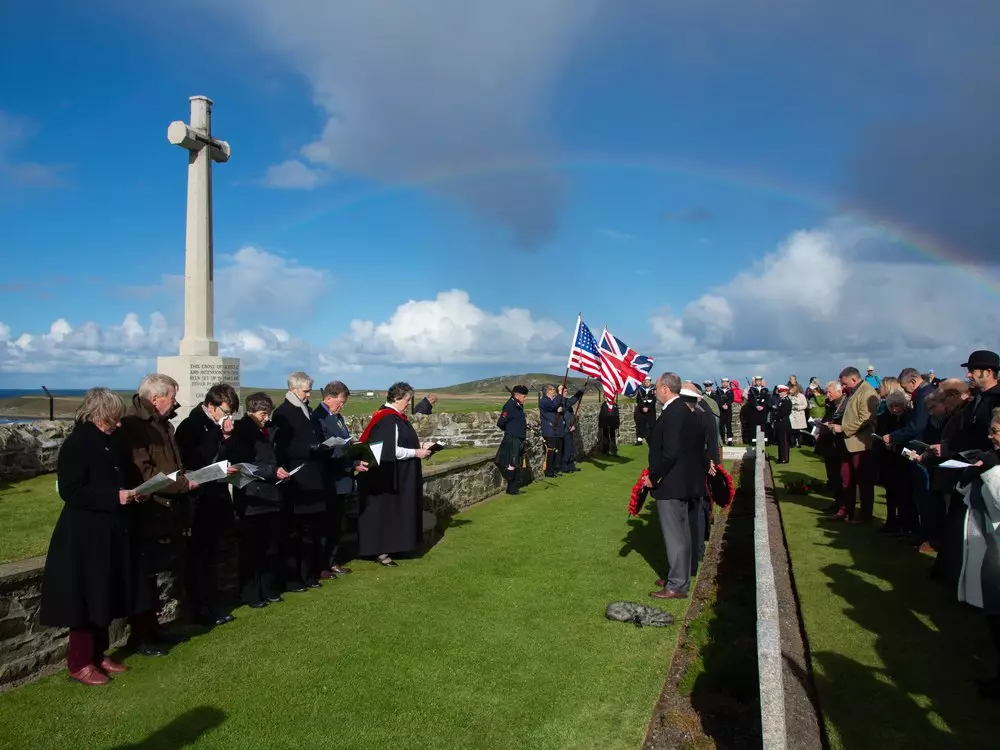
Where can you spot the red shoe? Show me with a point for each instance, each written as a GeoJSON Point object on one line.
{"type": "Point", "coordinates": [90, 675]}
{"type": "Point", "coordinates": [112, 667]}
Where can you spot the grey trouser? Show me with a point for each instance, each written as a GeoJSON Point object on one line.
{"type": "Point", "coordinates": [678, 530]}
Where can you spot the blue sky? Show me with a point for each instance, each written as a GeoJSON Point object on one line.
{"type": "Point", "coordinates": [432, 191]}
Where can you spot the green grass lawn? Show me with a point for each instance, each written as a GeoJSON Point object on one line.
{"type": "Point", "coordinates": [28, 512]}
{"type": "Point", "coordinates": [496, 638]}
{"type": "Point", "coordinates": [894, 653]}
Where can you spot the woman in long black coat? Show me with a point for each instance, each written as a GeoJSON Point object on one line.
{"type": "Point", "coordinates": [392, 492]}
{"type": "Point", "coordinates": [93, 570]}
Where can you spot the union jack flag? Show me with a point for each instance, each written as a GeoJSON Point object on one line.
{"type": "Point", "coordinates": [583, 356]}
{"type": "Point", "coordinates": [622, 368]}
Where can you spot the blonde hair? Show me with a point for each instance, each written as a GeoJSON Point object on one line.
{"type": "Point", "coordinates": [890, 385]}
{"type": "Point", "coordinates": [156, 384]}
{"type": "Point", "coordinates": [101, 405]}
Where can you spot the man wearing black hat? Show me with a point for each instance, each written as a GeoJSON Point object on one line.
{"type": "Point", "coordinates": [515, 429]}
{"type": "Point", "coordinates": [982, 370]}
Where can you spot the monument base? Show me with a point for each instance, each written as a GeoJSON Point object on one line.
{"type": "Point", "coordinates": [195, 374]}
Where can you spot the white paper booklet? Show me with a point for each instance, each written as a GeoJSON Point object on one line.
{"type": "Point", "coordinates": [210, 473]}
{"type": "Point", "coordinates": [157, 483]}
{"type": "Point", "coordinates": [292, 473]}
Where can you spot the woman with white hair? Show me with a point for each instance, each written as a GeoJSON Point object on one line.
{"type": "Point", "coordinates": [93, 570]}
{"type": "Point", "coordinates": [304, 495]}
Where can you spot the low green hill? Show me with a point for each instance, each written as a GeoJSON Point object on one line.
{"type": "Point", "coordinates": [534, 381]}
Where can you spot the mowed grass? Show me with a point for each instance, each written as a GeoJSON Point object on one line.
{"type": "Point", "coordinates": [495, 638]}
{"type": "Point", "coordinates": [28, 513]}
{"type": "Point", "coordinates": [894, 652]}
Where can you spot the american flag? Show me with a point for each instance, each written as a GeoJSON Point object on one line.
{"type": "Point", "coordinates": [622, 368]}
{"type": "Point", "coordinates": [583, 356]}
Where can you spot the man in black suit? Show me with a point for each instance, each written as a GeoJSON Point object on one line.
{"type": "Point", "coordinates": [426, 405]}
{"type": "Point", "coordinates": [678, 464]}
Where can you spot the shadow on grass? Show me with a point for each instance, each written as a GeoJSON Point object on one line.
{"type": "Point", "coordinates": [927, 643]}
{"type": "Point", "coordinates": [725, 690]}
{"type": "Point", "coordinates": [183, 731]}
{"type": "Point", "coordinates": [602, 462]}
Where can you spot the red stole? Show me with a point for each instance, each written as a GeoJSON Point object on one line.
{"type": "Point", "coordinates": [377, 417]}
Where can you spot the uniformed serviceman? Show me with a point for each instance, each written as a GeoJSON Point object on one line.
{"type": "Point", "coordinates": [515, 429]}
{"type": "Point", "coordinates": [724, 398]}
{"type": "Point", "coordinates": [758, 401]}
{"type": "Point", "coordinates": [552, 412]}
{"type": "Point", "coordinates": [645, 410]}
{"type": "Point", "coordinates": [608, 421]}
{"type": "Point", "coordinates": [568, 424]}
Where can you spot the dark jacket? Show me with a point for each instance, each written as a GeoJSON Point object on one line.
{"type": "Point", "coordinates": [758, 397]}
{"type": "Point", "coordinates": [512, 420]}
{"type": "Point", "coordinates": [976, 433]}
{"type": "Point", "coordinates": [149, 439]}
{"type": "Point", "coordinates": [609, 418]}
{"type": "Point", "coordinates": [568, 419]}
{"type": "Point", "coordinates": [249, 444]}
{"type": "Point", "coordinates": [914, 427]}
{"type": "Point", "coordinates": [338, 468]}
{"type": "Point", "coordinates": [423, 407]}
{"type": "Point", "coordinates": [548, 409]}
{"type": "Point", "coordinates": [199, 440]}
{"type": "Point", "coordinates": [295, 445]}
{"type": "Point", "coordinates": [782, 414]}
{"type": "Point", "coordinates": [710, 427]}
{"type": "Point", "coordinates": [93, 572]}
{"type": "Point", "coordinates": [678, 463]}
{"type": "Point", "coordinates": [725, 401]}
{"type": "Point", "coordinates": [645, 398]}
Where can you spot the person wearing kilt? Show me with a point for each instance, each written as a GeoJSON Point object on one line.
{"type": "Point", "coordinates": [515, 429]}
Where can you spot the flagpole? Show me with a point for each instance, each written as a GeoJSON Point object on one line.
{"type": "Point", "coordinates": [576, 331]}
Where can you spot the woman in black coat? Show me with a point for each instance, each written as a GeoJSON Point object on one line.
{"type": "Point", "coordinates": [93, 571]}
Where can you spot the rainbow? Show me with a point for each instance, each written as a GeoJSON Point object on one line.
{"type": "Point", "coordinates": [922, 244]}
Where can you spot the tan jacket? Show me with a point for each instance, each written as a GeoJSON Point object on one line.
{"type": "Point", "coordinates": [859, 418]}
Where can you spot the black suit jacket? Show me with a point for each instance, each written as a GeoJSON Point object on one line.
{"type": "Point", "coordinates": [295, 444]}
{"type": "Point", "coordinates": [678, 463]}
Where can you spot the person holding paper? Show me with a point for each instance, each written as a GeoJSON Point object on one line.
{"type": "Point", "coordinates": [295, 445]}
{"type": "Point", "coordinates": [258, 504]}
{"type": "Point", "coordinates": [338, 472]}
{"type": "Point", "coordinates": [163, 517]}
{"type": "Point", "coordinates": [392, 493]}
{"type": "Point", "coordinates": [200, 439]}
{"type": "Point", "coordinates": [93, 572]}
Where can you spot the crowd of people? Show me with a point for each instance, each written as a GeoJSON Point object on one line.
{"type": "Point", "coordinates": [933, 445]}
{"type": "Point", "coordinates": [291, 468]}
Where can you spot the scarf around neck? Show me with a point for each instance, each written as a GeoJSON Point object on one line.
{"type": "Point", "coordinates": [296, 401]}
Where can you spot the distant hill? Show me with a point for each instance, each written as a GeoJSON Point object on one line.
{"type": "Point", "coordinates": [496, 385]}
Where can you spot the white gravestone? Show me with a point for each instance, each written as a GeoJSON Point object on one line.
{"type": "Point", "coordinates": [199, 366]}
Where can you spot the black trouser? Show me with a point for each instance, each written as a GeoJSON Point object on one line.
{"type": "Point", "coordinates": [304, 549]}
{"type": "Point", "coordinates": [164, 554]}
{"type": "Point", "coordinates": [333, 523]}
{"type": "Point", "coordinates": [212, 516]}
{"type": "Point", "coordinates": [782, 436]}
{"type": "Point", "coordinates": [833, 481]}
{"type": "Point", "coordinates": [644, 422]}
{"type": "Point", "coordinates": [609, 440]}
{"type": "Point", "coordinates": [553, 455]}
{"type": "Point", "coordinates": [726, 424]}
{"type": "Point", "coordinates": [260, 558]}
{"type": "Point", "coordinates": [568, 457]}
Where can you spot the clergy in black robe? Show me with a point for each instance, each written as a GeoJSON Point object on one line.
{"type": "Point", "coordinates": [392, 492]}
{"type": "Point", "coordinates": [93, 572]}
{"type": "Point", "coordinates": [608, 422]}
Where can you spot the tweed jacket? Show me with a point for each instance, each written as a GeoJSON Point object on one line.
{"type": "Point", "coordinates": [859, 418]}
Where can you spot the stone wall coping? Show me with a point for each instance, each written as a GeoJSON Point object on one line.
{"type": "Point", "coordinates": [457, 465]}
{"type": "Point", "coordinates": [19, 571]}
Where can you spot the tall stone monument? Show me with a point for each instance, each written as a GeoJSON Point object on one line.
{"type": "Point", "coordinates": [198, 365]}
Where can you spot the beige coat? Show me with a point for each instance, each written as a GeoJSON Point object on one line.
{"type": "Point", "coordinates": [859, 418]}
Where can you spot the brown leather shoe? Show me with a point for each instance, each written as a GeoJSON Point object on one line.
{"type": "Point", "coordinates": [340, 570]}
{"type": "Point", "coordinates": [326, 575]}
{"type": "Point", "coordinates": [667, 594]}
{"type": "Point", "coordinates": [90, 675]}
{"type": "Point", "coordinates": [660, 583]}
{"type": "Point", "coordinates": [112, 667]}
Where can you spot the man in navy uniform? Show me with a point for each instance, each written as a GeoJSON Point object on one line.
{"type": "Point", "coordinates": [608, 422]}
{"type": "Point", "coordinates": [515, 429]}
{"type": "Point", "coordinates": [645, 410]}
{"type": "Point", "coordinates": [551, 410]}
{"type": "Point", "coordinates": [724, 398]}
{"type": "Point", "coordinates": [782, 422]}
{"type": "Point", "coordinates": [758, 401]}
{"type": "Point", "coordinates": [568, 427]}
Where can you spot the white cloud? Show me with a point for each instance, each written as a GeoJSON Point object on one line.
{"type": "Point", "coordinates": [15, 132]}
{"type": "Point", "coordinates": [827, 298]}
{"type": "Point", "coordinates": [253, 284]}
{"type": "Point", "coordinates": [417, 90]}
{"type": "Point", "coordinates": [293, 174]}
{"type": "Point", "coordinates": [448, 329]}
